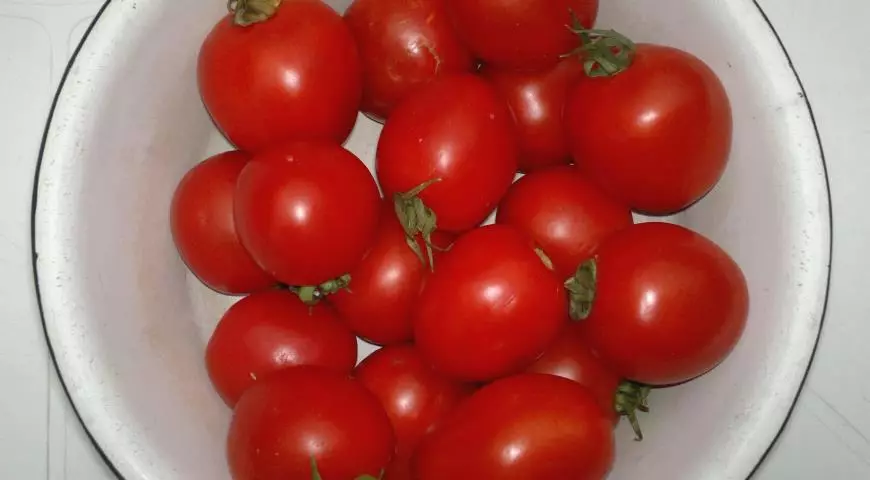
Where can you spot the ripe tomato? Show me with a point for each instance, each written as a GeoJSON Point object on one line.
{"type": "Point", "coordinates": [386, 285]}
{"type": "Point", "coordinates": [204, 231]}
{"type": "Point", "coordinates": [564, 213]}
{"type": "Point", "coordinates": [669, 304]}
{"type": "Point", "coordinates": [457, 132]}
{"type": "Point", "coordinates": [520, 34]}
{"type": "Point", "coordinates": [294, 75]}
{"type": "Point", "coordinates": [306, 414]}
{"type": "Point", "coordinates": [270, 331]}
{"type": "Point", "coordinates": [529, 426]}
{"type": "Point", "coordinates": [307, 212]}
{"type": "Point", "coordinates": [416, 398]}
{"type": "Point", "coordinates": [657, 136]}
{"type": "Point", "coordinates": [490, 308]}
{"type": "Point", "coordinates": [404, 45]}
{"type": "Point", "coordinates": [537, 101]}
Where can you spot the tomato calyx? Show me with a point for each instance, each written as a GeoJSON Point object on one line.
{"type": "Point", "coordinates": [418, 219]}
{"type": "Point", "coordinates": [315, 473]}
{"type": "Point", "coordinates": [581, 290]}
{"type": "Point", "coordinates": [249, 12]}
{"type": "Point", "coordinates": [604, 53]}
{"type": "Point", "coordinates": [313, 294]}
{"type": "Point", "coordinates": [630, 398]}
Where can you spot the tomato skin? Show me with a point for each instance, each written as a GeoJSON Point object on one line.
{"type": "Point", "coordinates": [529, 426]}
{"type": "Point", "coordinates": [537, 101]}
{"type": "Point", "coordinates": [416, 398]}
{"type": "Point", "coordinates": [564, 213]}
{"type": "Point", "coordinates": [296, 76]}
{"type": "Point", "coordinates": [403, 45]}
{"type": "Point", "coordinates": [270, 331]}
{"type": "Point", "coordinates": [525, 35]}
{"type": "Point", "coordinates": [204, 231]}
{"type": "Point", "coordinates": [307, 212]}
{"type": "Point", "coordinates": [669, 304]}
{"type": "Point", "coordinates": [386, 284]}
{"type": "Point", "coordinates": [571, 358]}
{"type": "Point", "coordinates": [490, 308]}
{"type": "Point", "coordinates": [657, 135]}
{"type": "Point", "coordinates": [456, 129]}
{"type": "Point", "coordinates": [301, 413]}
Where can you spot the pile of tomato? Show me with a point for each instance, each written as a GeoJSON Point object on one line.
{"type": "Point", "coordinates": [509, 351]}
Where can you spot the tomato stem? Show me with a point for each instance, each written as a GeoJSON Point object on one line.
{"type": "Point", "coordinates": [249, 12]}
{"type": "Point", "coordinates": [315, 473]}
{"type": "Point", "coordinates": [418, 219]}
{"type": "Point", "coordinates": [632, 397]}
{"type": "Point", "coordinates": [312, 295]}
{"type": "Point", "coordinates": [545, 259]}
{"type": "Point", "coordinates": [581, 290]}
{"type": "Point", "coordinates": [604, 53]}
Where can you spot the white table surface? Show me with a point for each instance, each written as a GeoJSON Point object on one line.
{"type": "Point", "coordinates": [829, 434]}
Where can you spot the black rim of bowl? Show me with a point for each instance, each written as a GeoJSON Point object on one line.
{"type": "Point", "coordinates": [115, 470]}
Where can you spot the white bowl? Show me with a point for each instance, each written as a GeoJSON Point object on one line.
{"type": "Point", "coordinates": [128, 325]}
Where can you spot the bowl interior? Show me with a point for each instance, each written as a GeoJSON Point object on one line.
{"type": "Point", "coordinates": [128, 324]}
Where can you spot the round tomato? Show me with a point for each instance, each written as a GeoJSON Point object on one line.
{"type": "Point", "coordinates": [386, 284]}
{"type": "Point", "coordinates": [564, 213]}
{"type": "Point", "coordinates": [403, 44]}
{"type": "Point", "coordinates": [520, 34]}
{"type": "Point", "coordinates": [658, 135]}
{"type": "Point", "coordinates": [270, 331]}
{"type": "Point", "coordinates": [490, 308]}
{"type": "Point", "coordinates": [201, 218]}
{"type": "Point", "coordinates": [307, 212]}
{"type": "Point", "coordinates": [537, 101]}
{"type": "Point", "coordinates": [307, 415]}
{"type": "Point", "coordinates": [528, 426]}
{"type": "Point", "coordinates": [290, 74]}
{"type": "Point", "coordinates": [454, 136]}
{"type": "Point", "coordinates": [416, 398]}
{"type": "Point", "coordinates": [669, 304]}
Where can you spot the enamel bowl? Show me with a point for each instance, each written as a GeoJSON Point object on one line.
{"type": "Point", "coordinates": [128, 325]}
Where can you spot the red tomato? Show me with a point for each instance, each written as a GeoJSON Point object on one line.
{"type": "Point", "coordinates": [307, 212]}
{"type": "Point", "coordinates": [416, 398]}
{"type": "Point", "coordinates": [307, 413]}
{"type": "Point", "coordinates": [270, 331]}
{"type": "Point", "coordinates": [386, 285]}
{"type": "Point", "coordinates": [404, 44]}
{"type": "Point", "coordinates": [204, 231]}
{"type": "Point", "coordinates": [520, 34]}
{"type": "Point", "coordinates": [564, 213]}
{"type": "Point", "coordinates": [657, 136]}
{"type": "Point", "coordinates": [528, 426]}
{"type": "Point", "coordinates": [537, 101]}
{"type": "Point", "coordinates": [294, 76]}
{"type": "Point", "coordinates": [458, 131]}
{"type": "Point", "coordinates": [490, 308]}
{"type": "Point", "coordinates": [669, 304]}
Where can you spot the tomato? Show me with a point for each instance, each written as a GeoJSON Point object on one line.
{"type": "Point", "coordinates": [270, 331]}
{"type": "Point", "coordinates": [306, 414]}
{"type": "Point", "coordinates": [669, 304]}
{"type": "Point", "coordinates": [416, 398]}
{"type": "Point", "coordinates": [457, 133]}
{"type": "Point", "coordinates": [537, 101]}
{"type": "Point", "coordinates": [201, 218]}
{"type": "Point", "coordinates": [294, 76]}
{"type": "Point", "coordinates": [403, 44]}
{"type": "Point", "coordinates": [386, 285]}
{"type": "Point", "coordinates": [307, 212]}
{"type": "Point", "coordinates": [658, 135]}
{"type": "Point", "coordinates": [564, 213]}
{"type": "Point", "coordinates": [490, 308]}
{"type": "Point", "coordinates": [520, 34]}
{"type": "Point", "coordinates": [529, 426]}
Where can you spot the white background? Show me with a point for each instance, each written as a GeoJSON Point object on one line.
{"type": "Point", "coordinates": [829, 435]}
